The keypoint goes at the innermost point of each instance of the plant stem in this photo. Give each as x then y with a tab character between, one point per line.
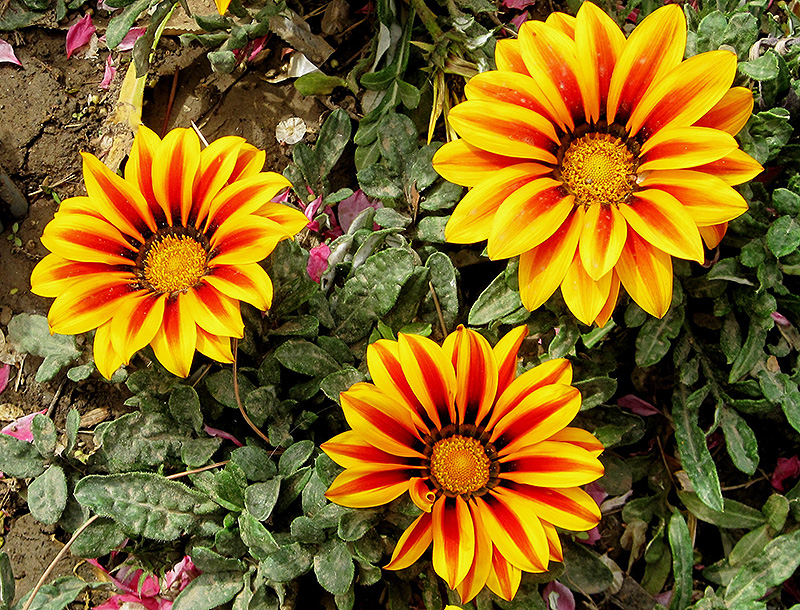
428	18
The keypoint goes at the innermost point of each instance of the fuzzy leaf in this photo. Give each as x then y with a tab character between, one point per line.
680	543
741	441
734	515
334	567
306	358
209	590
19	458
47	495
776	563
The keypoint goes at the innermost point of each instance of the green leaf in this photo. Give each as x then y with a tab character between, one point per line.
260	498
334	567
583	570
209	591
100	538
749	545
207	560
431	229
294	457
785	201
441	196
220	386
254	462
370	293
498	300
680	543
145	504
138	440
340	381
397	136
55	596
752	351
740	439
71	428
655	337
184	406
377	182
333	137
692	448
710	32
776	509
121	24
30	333
19	458
44	435
741	33
306	358
766	133
6	581
257	538
287	563
783	236
734	515
391	218
595	391
47	495
774	565
762	68
357	522
317	83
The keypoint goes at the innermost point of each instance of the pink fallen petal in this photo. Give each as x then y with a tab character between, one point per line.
558	597
311	209
21	428
349	209
591	537
104	7
283	197
79	34
180	576
517	4
780	320
109	73
7	53
663	598
520	19
318	261
598	493
222	434
785	470
257	46
5	374
130	39
637	405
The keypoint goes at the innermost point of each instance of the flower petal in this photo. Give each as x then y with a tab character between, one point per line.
249	163
481	566
580	438
507	56
528	217
611	302
86	239
413	543
431	377
217	162
661	219
468	165
82	307
556	371
136	322
215	347
293	221
213	311
421	494
685	147
243	196
222	6
368	486
139	168
54	274
553	541
713	235
734	168
551	464
453	539
348	449
654	48
685	94
474	215
519	537
175	341
602	237
106	359
505	354
476	374
542	269
731	112
173	176
707	198
599	43
504	577
380	420
584	296
537	416
563	23
646	273
244	239
505	129
571	508
248	283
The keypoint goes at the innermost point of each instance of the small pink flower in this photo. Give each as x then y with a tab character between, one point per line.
785	470
7	53
79	34
780	319
558	597
318	261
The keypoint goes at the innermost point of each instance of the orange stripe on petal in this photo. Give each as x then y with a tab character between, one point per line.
706	198
243	196
87	239
453	539
139	168
611	302
713	235
505	129
734	168
505	354
482	564
646	273
217	162
78	309
563	23
249	163
602	237
661	219
136	322
504	578
528	217
54	274
580	438
519	537
412	544
542	269
685	94
421	494
292	221
537	416
248	283
571	508
654	48
216	348
348	449
213	311
475	214
431	377
173	175
551	464
731	112
507	56
476	374
583	295
557	371
368	486
685	147
380	420
468	165
244	239
106	359
174	343
554	542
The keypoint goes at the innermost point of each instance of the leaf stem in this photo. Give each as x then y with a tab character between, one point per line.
250	423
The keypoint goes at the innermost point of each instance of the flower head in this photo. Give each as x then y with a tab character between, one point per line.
486	455
596	159
163	256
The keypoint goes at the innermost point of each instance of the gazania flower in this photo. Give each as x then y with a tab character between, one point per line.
596	159
163	256
484	454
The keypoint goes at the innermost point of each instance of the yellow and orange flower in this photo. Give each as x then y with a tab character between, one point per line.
596	159
486	455
163	256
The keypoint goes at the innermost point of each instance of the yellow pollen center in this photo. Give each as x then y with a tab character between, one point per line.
175	262
460	464
598	168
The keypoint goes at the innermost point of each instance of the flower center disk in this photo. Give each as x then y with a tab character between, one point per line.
599	168
460	464
174	262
